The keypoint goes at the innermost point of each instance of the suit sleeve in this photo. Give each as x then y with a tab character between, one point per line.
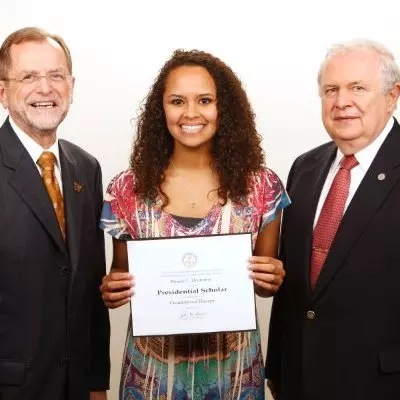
274	349
100	324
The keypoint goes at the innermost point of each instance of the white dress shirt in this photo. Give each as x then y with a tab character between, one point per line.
35	150
364	158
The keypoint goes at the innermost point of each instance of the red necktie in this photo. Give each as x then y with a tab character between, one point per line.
330	217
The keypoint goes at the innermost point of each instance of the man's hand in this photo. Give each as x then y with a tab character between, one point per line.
98	395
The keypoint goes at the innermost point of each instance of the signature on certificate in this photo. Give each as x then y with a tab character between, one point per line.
188	315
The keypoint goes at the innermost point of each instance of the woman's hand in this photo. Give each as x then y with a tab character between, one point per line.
117	288
267	273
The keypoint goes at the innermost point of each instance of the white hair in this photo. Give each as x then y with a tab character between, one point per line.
388	67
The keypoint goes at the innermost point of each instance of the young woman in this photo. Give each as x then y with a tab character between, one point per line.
197	168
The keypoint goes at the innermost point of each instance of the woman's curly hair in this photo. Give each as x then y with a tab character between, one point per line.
236	146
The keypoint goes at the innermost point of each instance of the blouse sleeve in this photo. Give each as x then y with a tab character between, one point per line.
275	198
112	219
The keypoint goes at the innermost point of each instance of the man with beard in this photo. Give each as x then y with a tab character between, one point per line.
54	328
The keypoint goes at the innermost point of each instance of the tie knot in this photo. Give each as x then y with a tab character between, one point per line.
46	161
348	162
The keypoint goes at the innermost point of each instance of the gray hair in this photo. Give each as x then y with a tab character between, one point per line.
388	67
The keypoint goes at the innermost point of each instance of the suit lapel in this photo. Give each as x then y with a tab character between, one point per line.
370	195
73	190
27	182
306	194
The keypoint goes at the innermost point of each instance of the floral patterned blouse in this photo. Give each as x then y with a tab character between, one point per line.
226	365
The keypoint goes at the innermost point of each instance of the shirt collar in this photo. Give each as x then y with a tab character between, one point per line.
366	155
33	148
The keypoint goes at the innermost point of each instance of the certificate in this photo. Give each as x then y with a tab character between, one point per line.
192	285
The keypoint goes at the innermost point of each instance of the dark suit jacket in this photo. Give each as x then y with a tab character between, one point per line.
351	349
54	328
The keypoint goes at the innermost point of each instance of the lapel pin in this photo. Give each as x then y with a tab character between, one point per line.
381	177
77	187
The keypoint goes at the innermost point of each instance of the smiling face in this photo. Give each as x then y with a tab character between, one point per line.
354	107
37	107
190	106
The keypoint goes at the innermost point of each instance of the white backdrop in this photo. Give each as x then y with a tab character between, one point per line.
274	47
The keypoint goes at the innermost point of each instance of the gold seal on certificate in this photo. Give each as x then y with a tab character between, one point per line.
192	285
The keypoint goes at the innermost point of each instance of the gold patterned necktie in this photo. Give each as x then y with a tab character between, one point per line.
46	162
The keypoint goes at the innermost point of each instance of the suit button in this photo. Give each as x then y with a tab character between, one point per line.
65	271
311	315
63	362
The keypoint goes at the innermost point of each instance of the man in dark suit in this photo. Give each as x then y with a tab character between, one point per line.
335	324
54	328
